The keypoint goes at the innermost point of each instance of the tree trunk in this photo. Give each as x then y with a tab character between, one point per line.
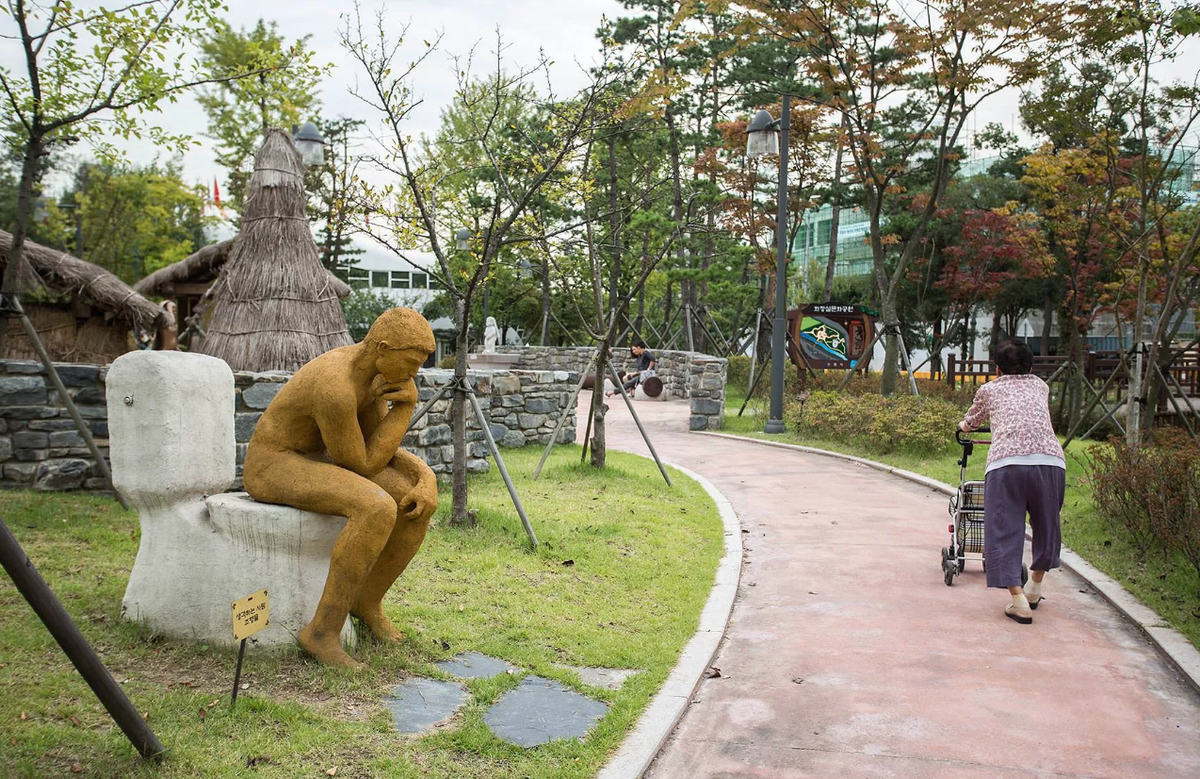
686	294
459	516
614	279
545	303
640	321
1047	322
994	340
935	358
891	342
598	443
17	273
1075	402
836	206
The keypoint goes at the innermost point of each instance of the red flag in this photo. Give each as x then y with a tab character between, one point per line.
216	193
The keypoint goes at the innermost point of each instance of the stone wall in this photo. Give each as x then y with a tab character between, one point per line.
40	448
698	377
39	444
522	406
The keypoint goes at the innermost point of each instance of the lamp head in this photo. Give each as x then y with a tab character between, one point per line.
762	135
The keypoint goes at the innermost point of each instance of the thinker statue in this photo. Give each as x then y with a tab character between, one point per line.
329	443
491	333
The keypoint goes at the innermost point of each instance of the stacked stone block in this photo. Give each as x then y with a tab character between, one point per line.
40	446
706	392
41	449
698	377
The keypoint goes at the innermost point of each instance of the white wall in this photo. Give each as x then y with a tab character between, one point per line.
407	281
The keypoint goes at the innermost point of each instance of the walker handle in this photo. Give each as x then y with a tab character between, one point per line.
964	441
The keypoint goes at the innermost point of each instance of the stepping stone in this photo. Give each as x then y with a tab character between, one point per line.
475	665
608	678
418	704
540	711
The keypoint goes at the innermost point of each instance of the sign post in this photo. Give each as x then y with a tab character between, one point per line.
250	615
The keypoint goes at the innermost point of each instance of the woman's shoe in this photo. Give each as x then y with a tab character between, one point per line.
1033	604
1018	614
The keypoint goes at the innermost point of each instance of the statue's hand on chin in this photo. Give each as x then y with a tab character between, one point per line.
406	392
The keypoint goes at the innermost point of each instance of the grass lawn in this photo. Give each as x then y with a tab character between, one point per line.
617	582
1169	585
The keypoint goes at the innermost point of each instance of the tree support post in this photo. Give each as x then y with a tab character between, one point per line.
41	598
1071	367
638	422
868	352
465	386
562	418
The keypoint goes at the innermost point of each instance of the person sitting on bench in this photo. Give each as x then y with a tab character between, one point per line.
644	367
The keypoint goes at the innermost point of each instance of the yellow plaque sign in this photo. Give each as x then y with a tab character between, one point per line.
251	614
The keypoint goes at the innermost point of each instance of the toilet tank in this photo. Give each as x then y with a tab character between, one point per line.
170	422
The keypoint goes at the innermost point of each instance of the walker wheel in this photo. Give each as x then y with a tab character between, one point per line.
950	575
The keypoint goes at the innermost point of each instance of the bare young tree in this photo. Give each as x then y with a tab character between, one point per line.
414	212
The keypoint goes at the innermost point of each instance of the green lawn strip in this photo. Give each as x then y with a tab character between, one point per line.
623	571
1167	584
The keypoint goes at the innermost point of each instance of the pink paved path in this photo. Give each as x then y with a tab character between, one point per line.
847	656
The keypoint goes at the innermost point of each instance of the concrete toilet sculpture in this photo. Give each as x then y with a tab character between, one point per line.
172	448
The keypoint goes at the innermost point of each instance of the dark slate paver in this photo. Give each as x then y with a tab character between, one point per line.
475	665
540	711
418	704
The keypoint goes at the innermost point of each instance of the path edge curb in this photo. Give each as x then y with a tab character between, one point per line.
1170	643
641	745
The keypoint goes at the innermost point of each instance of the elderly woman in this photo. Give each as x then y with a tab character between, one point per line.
1026	472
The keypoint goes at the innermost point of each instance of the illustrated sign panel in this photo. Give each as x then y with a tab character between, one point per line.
251	614
832	336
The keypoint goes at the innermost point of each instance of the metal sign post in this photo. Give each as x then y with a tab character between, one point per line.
250	615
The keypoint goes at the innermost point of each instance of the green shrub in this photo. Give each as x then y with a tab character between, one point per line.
447	362
1150	494
737	373
899	423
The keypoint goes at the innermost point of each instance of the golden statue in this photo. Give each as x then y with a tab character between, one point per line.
328	443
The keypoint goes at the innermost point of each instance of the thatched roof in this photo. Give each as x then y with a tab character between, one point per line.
201	268
81	280
274	306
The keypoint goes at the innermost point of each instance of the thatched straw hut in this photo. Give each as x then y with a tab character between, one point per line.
88	315
274	306
189	282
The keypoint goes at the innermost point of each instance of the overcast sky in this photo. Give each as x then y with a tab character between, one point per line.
565	29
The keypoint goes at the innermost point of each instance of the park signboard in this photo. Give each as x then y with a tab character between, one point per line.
831	336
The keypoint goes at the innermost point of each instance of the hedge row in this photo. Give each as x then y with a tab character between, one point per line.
898	423
1150	494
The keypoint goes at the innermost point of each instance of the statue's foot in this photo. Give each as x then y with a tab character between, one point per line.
327	649
380	626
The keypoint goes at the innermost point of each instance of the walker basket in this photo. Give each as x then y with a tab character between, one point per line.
970	532
971	498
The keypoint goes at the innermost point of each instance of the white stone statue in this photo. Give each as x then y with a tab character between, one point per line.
491	334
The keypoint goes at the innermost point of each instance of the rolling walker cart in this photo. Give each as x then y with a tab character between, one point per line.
966	512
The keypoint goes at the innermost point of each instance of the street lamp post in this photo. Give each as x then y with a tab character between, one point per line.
767	136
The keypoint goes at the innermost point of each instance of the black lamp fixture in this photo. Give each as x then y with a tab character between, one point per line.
767	136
